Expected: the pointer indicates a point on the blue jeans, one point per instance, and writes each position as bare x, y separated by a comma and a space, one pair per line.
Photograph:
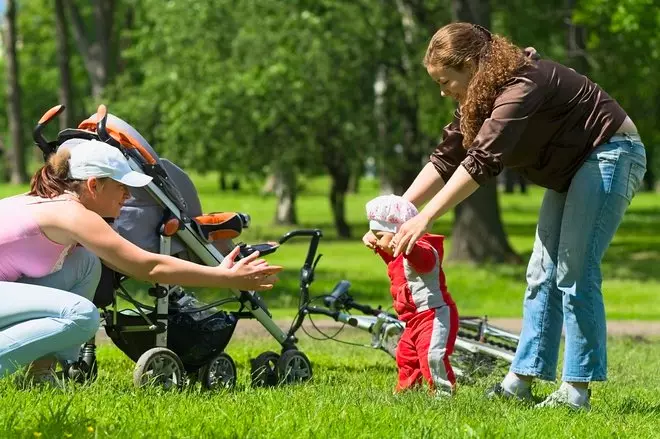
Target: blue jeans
564, 276
52, 315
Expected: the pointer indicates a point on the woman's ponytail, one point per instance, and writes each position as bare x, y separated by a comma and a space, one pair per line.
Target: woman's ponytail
52, 179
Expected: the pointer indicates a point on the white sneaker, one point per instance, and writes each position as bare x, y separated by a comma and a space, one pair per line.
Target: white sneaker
497, 391
561, 398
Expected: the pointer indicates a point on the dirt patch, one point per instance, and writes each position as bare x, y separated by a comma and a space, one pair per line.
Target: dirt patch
641, 328
250, 329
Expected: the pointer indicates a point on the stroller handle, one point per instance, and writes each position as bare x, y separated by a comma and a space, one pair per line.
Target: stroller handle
46, 147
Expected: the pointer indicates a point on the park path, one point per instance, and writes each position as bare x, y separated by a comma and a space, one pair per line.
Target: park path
252, 328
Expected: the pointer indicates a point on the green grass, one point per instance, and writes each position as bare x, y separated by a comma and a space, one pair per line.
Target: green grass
349, 396
631, 284
351, 393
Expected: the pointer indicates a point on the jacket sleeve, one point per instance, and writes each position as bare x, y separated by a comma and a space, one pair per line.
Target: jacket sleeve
422, 258
500, 133
449, 153
387, 258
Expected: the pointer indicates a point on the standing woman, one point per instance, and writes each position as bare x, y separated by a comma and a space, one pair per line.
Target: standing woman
563, 132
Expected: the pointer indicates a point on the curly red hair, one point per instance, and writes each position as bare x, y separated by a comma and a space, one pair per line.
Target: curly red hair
497, 61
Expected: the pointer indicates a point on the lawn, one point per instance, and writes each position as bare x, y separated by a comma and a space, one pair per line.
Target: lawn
350, 394
631, 279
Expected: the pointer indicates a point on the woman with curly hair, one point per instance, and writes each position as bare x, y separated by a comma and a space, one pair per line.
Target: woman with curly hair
563, 132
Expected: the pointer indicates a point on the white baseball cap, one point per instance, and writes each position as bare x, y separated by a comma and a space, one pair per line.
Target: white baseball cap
92, 158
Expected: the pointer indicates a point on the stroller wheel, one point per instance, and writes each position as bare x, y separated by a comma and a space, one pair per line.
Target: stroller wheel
294, 367
160, 367
264, 369
80, 372
219, 373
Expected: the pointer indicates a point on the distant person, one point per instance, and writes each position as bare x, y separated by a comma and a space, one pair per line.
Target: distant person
513, 179
420, 296
563, 132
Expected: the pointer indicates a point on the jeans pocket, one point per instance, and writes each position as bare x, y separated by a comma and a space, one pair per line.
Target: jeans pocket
635, 178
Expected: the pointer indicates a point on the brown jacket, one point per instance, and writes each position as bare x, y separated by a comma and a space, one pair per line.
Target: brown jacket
543, 124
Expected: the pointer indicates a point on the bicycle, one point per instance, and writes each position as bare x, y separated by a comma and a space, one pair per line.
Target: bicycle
480, 347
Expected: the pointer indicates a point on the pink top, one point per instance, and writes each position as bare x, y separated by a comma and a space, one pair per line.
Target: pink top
24, 249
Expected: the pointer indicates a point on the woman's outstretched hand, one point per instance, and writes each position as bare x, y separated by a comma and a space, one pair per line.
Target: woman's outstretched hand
409, 233
250, 273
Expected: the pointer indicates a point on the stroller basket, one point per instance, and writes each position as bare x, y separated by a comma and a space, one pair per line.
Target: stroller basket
196, 336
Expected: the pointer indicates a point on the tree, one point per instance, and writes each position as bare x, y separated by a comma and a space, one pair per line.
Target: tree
624, 55
478, 234
576, 40
282, 89
407, 108
65, 89
16, 154
95, 46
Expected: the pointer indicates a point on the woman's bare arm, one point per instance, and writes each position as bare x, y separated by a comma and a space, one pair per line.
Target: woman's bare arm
91, 231
427, 183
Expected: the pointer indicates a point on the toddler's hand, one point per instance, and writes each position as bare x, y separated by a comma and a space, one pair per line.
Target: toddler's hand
369, 240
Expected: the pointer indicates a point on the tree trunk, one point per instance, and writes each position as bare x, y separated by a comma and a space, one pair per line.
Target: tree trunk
125, 39
286, 191
338, 204
356, 173
380, 114
406, 157
649, 177
341, 176
478, 234
65, 91
222, 181
576, 39
16, 153
5, 170
354, 183
95, 50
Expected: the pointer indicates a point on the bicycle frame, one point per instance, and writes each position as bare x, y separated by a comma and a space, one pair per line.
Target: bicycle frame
476, 336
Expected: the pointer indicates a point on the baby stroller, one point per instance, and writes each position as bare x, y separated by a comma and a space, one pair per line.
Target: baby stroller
179, 339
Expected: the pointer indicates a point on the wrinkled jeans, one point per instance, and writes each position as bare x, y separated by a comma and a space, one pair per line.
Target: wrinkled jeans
52, 315
564, 276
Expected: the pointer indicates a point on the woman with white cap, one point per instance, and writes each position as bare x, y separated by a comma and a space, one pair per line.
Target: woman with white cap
51, 243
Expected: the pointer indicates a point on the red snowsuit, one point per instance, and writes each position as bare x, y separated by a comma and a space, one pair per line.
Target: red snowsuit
421, 299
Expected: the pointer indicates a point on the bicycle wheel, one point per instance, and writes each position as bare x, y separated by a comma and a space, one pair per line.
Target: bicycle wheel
477, 359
